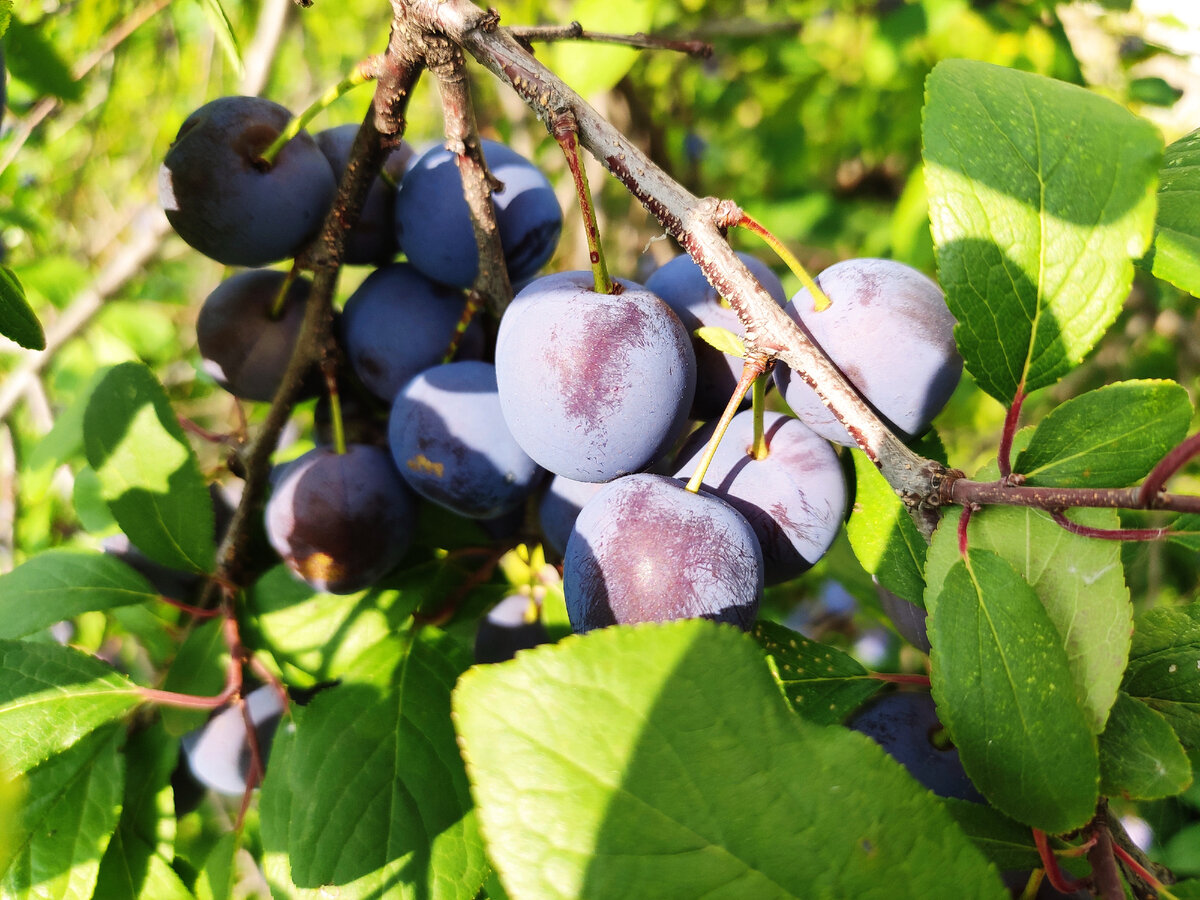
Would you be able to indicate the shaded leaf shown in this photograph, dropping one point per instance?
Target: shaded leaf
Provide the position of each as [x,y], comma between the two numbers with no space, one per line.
[72,806]
[378,794]
[147,469]
[1164,670]
[17,320]
[30,56]
[60,584]
[50,697]
[1109,437]
[884,537]
[1007,843]
[198,668]
[1175,256]
[1040,193]
[1140,756]
[821,683]
[663,755]
[1005,693]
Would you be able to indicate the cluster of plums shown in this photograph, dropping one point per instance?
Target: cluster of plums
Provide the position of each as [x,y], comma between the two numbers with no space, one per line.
[582,396]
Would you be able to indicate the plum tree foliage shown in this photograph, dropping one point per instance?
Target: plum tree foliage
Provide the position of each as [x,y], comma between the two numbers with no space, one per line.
[460,547]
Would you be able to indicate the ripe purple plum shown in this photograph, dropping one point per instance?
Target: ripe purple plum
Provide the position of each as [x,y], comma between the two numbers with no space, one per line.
[433,224]
[244,348]
[890,333]
[373,238]
[794,497]
[909,619]
[593,386]
[219,753]
[398,323]
[450,442]
[225,201]
[512,624]
[560,506]
[906,726]
[644,549]
[685,289]
[341,521]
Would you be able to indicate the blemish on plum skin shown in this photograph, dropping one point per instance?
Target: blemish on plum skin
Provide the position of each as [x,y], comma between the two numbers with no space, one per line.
[423,464]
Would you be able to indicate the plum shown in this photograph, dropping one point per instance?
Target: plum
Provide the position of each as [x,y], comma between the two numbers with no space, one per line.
[398,323]
[890,333]
[450,442]
[905,725]
[685,289]
[512,624]
[341,521]
[433,224]
[644,549]
[218,754]
[560,506]
[243,347]
[909,619]
[593,386]
[373,238]
[225,202]
[794,497]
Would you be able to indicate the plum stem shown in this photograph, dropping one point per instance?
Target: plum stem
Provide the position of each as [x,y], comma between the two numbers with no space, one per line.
[751,369]
[566,131]
[280,301]
[363,72]
[820,301]
[473,305]
[574,31]
[759,449]
[335,409]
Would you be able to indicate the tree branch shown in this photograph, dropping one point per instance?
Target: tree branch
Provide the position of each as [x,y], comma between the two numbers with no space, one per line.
[574,31]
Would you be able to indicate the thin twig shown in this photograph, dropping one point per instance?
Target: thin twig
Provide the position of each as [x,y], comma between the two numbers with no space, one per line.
[1108,534]
[529,34]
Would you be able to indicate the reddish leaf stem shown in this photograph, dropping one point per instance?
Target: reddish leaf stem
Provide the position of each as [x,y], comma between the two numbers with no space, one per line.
[1109,534]
[1175,460]
[1011,419]
[1057,878]
[198,611]
[1136,868]
[963,521]
[901,678]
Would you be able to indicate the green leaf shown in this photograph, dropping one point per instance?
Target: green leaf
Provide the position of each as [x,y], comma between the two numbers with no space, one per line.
[1007,843]
[1140,756]
[136,865]
[148,471]
[1080,582]
[821,683]
[60,584]
[50,697]
[72,806]
[1004,692]
[664,755]
[198,668]
[17,319]
[219,21]
[322,634]
[722,339]
[1175,256]
[1040,192]
[378,791]
[1109,437]
[884,537]
[216,879]
[1164,670]
[30,56]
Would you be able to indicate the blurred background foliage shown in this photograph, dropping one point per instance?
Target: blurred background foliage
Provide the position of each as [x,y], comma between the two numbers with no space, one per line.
[808,114]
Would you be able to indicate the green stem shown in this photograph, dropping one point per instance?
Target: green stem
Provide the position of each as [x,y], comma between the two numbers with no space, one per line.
[363,72]
[566,133]
[750,371]
[820,301]
[473,305]
[759,449]
[281,298]
[335,410]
